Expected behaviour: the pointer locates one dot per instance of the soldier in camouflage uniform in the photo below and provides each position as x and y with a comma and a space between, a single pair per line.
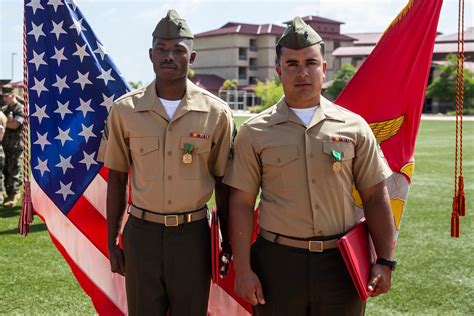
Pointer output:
12, 145
3, 124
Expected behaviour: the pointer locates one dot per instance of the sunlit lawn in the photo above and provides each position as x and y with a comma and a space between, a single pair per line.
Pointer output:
435, 275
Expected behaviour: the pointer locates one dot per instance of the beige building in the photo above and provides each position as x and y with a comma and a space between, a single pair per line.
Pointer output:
246, 52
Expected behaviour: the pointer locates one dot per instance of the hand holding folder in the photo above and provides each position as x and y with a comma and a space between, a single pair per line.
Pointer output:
359, 254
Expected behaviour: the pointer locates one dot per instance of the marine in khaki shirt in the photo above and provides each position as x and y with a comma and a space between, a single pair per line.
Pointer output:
306, 192
306, 154
175, 160
142, 137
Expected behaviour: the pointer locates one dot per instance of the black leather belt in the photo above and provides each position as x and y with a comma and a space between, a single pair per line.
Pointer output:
169, 220
311, 245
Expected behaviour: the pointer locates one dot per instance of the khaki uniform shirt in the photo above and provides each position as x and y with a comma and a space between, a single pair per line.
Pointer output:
302, 195
142, 137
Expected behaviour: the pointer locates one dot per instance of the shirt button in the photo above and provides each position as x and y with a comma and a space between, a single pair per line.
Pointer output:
169, 201
313, 181
169, 153
169, 177
170, 129
278, 160
316, 206
311, 156
141, 150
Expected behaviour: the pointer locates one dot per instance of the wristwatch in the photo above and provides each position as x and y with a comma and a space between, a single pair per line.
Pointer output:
385, 262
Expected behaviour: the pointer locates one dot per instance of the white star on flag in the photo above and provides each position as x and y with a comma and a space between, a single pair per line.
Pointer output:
37, 60
35, 5
55, 4
84, 107
39, 86
58, 29
81, 51
106, 76
61, 83
42, 140
101, 51
65, 163
63, 136
63, 109
59, 55
108, 101
42, 166
88, 160
82, 79
40, 113
65, 190
77, 25
37, 31
87, 132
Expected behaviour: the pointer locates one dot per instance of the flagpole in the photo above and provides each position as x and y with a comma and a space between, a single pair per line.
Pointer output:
26, 216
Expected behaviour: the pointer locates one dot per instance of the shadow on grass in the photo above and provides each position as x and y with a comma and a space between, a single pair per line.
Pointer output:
10, 212
34, 228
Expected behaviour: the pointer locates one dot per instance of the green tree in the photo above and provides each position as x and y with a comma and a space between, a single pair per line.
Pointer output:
230, 85
341, 79
443, 86
269, 92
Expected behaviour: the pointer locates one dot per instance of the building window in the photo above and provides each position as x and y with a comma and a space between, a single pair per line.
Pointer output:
253, 45
252, 80
253, 63
242, 73
242, 53
337, 45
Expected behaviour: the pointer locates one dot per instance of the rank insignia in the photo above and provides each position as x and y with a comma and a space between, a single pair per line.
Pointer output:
187, 156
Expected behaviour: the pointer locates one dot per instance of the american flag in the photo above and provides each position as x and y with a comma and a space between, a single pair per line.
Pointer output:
72, 82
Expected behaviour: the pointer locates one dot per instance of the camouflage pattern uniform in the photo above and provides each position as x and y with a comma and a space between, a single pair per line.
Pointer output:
3, 124
13, 147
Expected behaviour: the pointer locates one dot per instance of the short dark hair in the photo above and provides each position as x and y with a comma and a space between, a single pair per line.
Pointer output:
278, 49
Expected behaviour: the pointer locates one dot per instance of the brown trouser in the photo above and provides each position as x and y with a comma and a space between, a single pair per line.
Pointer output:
167, 268
298, 282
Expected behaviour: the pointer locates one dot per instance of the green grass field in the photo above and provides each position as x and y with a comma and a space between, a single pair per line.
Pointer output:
435, 275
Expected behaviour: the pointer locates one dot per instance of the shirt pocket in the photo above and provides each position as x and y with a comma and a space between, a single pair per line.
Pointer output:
198, 168
279, 167
335, 175
145, 156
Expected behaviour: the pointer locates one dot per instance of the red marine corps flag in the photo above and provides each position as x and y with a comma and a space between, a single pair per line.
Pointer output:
388, 91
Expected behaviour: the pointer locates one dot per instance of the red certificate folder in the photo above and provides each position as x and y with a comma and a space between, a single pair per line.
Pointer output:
358, 253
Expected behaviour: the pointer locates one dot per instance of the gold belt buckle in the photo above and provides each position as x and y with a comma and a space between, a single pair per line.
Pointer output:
171, 220
316, 246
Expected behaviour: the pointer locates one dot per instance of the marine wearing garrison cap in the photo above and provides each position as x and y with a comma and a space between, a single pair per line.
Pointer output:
175, 139
305, 154
172, 26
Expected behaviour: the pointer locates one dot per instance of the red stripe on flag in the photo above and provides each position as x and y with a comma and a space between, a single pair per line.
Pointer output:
91, 223
103, 305
104, 172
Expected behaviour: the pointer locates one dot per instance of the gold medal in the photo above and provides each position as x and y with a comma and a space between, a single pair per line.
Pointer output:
187, 158
336, 166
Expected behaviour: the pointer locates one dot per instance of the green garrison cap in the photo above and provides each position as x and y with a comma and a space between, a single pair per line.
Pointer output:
7, 89
299, 35
172, 26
